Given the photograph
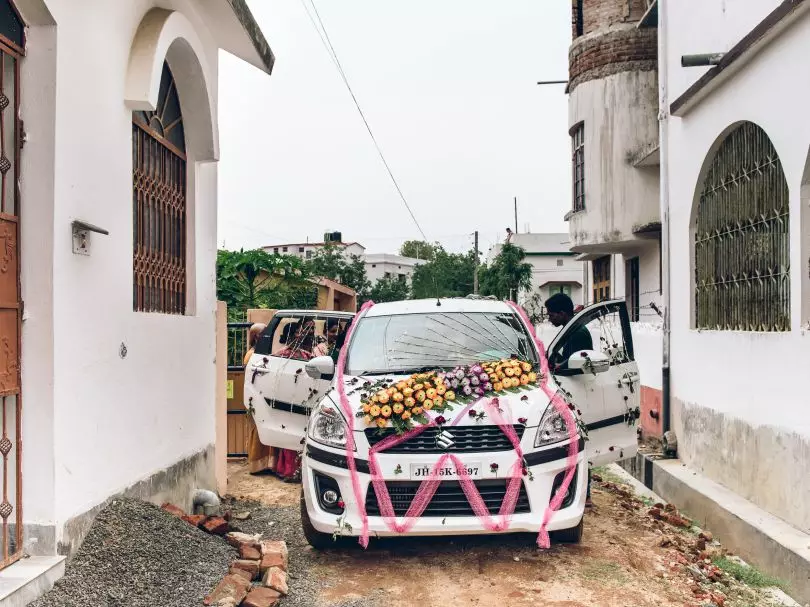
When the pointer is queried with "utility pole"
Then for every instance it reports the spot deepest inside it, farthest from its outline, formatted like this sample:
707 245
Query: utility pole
475 262
516 228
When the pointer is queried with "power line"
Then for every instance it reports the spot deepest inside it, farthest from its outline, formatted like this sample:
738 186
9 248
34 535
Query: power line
333 54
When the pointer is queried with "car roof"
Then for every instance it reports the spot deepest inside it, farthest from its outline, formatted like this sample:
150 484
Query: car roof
444 305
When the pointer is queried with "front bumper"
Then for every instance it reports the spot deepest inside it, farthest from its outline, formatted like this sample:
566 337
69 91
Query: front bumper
544 465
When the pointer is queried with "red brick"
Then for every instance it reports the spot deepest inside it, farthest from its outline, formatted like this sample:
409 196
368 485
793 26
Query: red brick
231 587
236 539
274 554
251 568
276 578
194 519
172 509
215 525
250 553
262 597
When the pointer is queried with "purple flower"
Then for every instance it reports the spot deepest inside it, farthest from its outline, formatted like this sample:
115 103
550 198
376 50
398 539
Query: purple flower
454 384
484 377
480 391
465 382
487 387
460 374
476 369
474 381
466 390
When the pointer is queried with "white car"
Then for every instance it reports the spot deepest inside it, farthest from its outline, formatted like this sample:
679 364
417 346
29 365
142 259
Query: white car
296 406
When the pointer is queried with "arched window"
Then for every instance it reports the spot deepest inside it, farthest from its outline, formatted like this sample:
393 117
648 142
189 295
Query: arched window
159 204
742 243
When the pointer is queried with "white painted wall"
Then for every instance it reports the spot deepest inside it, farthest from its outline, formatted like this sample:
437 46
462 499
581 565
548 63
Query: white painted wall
96 423
752 381
619 114
380 264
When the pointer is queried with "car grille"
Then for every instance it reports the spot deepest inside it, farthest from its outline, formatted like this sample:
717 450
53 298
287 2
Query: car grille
449 499
465 439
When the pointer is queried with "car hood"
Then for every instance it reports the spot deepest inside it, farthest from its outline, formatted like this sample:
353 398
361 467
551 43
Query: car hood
528 404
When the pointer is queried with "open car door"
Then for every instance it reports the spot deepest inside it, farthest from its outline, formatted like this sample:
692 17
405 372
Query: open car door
278 391
593 363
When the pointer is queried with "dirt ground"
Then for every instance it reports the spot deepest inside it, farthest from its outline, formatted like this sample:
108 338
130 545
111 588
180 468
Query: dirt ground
627 558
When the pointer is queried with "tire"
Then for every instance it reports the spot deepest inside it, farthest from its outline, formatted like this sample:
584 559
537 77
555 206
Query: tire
316 539
569 536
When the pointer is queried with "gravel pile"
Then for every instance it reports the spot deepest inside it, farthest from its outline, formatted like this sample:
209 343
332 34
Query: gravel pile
137 555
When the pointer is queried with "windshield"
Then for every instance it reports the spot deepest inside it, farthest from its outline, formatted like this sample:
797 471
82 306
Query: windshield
411 343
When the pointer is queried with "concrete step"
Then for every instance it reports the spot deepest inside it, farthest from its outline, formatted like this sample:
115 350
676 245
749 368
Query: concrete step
28 579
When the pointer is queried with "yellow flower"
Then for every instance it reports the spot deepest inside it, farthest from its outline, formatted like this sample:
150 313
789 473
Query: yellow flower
408 392
418 387
406 415
368 420
366 408
398 408
532 377
398 398
420 396
410 402
441 389
401 386
438 401
385 411
375 411
428 404
382 423
382 397
431 393
509 371
526 367
450 396
497 386
524 380
417 410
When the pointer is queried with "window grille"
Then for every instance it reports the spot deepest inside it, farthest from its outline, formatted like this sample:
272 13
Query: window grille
742 243
632 296
159 204
578 166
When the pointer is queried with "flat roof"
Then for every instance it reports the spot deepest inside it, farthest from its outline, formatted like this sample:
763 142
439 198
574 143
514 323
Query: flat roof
429 306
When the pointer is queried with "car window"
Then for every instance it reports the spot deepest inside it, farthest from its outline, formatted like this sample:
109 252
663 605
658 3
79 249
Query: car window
302 336
413 342
601 331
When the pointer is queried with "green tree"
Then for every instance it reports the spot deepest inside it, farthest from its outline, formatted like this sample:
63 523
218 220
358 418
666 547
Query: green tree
389 289
330 262
419 249
508 275
256 279
447 275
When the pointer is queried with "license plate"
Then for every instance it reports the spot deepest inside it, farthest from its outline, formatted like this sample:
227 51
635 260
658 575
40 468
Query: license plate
420 471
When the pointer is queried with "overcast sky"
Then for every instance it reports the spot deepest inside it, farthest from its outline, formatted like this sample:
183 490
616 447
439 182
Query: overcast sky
449 88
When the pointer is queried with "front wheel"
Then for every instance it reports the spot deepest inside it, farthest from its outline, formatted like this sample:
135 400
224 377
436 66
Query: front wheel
316 539
569 536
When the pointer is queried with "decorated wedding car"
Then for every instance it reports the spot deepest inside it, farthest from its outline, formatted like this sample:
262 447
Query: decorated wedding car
444 417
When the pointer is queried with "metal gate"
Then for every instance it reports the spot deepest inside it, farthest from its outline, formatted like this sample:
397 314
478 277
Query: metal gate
238 419
12 43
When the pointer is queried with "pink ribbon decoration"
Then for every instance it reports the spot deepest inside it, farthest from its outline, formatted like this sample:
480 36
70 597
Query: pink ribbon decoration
428 487
562 408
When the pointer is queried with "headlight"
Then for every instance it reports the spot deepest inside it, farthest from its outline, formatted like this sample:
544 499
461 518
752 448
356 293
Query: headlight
328 427
552 428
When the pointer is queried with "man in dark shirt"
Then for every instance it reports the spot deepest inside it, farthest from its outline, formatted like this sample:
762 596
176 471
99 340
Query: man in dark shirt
560 310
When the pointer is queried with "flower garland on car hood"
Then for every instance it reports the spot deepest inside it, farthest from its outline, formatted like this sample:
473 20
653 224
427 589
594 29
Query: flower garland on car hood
429 486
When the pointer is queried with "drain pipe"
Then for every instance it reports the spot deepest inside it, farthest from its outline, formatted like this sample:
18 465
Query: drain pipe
670 444
205 500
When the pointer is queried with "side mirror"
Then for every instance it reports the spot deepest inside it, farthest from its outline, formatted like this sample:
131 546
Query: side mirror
589 361
322 367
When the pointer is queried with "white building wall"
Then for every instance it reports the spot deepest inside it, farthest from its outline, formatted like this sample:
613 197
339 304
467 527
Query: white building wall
115 420
739 398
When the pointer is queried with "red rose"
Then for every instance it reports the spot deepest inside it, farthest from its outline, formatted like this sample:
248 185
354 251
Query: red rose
341 504
522 420
440 420
472 413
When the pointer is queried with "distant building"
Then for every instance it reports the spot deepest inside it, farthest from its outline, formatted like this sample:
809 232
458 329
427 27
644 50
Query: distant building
384 265
307 250
554 267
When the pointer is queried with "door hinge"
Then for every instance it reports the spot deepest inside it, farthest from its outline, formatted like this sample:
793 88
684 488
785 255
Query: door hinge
23 134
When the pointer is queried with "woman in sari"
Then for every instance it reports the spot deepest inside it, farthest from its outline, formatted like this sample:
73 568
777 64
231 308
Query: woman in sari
261 458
